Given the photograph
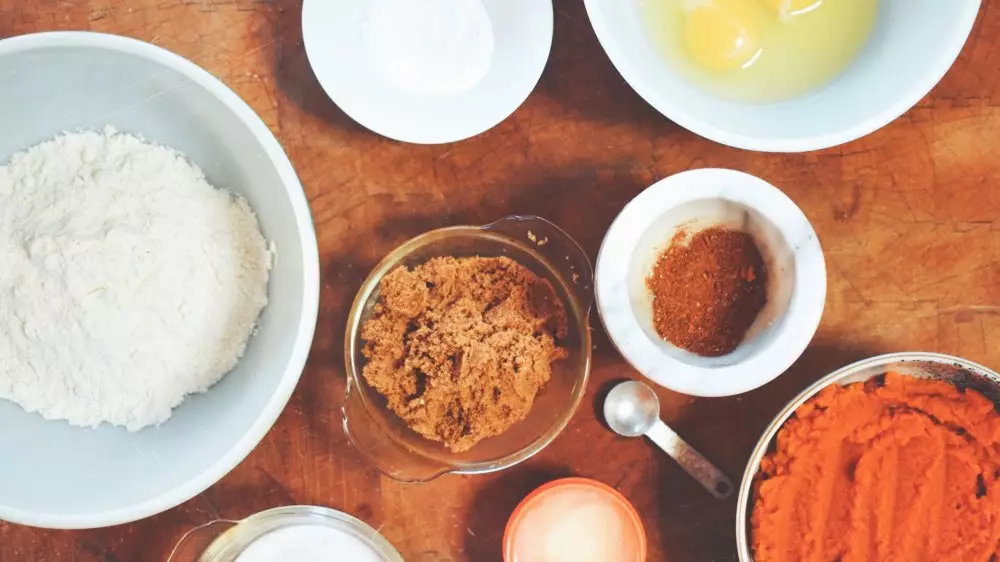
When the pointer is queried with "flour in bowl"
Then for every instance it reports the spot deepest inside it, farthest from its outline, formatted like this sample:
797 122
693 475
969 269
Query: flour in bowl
128 281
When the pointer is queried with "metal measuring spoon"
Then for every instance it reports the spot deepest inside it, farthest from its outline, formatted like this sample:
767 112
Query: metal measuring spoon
632 409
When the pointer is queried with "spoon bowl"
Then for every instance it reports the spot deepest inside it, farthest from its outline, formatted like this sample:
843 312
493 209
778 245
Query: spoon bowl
631 409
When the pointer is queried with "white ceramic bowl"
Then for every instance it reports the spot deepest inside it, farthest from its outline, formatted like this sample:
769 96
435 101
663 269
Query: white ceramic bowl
691 201
55 475
912 46
332 31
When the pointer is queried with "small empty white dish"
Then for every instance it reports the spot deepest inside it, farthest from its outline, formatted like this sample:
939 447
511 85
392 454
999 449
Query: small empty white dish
692 201
367 77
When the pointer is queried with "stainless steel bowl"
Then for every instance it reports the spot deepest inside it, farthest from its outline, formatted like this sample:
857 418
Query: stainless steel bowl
915 364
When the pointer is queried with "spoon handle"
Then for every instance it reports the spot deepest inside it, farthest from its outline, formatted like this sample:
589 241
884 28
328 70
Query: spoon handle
711 478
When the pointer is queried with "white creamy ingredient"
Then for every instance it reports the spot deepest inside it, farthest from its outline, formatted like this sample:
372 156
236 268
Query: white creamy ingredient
573 525
430 47
588 533
308 543
128 281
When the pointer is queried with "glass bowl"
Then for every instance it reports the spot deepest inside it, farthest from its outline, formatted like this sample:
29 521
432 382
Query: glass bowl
404 455
225 540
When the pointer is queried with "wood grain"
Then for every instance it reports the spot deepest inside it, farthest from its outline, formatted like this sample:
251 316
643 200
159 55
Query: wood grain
908 217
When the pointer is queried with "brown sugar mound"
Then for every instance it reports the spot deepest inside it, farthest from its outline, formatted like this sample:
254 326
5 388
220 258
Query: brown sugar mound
459 347
901 469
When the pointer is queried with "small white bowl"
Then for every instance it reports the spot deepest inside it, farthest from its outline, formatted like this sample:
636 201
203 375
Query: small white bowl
55 475
691 201
333 32
912 46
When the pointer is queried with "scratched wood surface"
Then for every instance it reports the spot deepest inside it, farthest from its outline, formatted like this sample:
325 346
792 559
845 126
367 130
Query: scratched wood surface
907 216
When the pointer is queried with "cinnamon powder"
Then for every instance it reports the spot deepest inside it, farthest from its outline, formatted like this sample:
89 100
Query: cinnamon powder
707 294
459 347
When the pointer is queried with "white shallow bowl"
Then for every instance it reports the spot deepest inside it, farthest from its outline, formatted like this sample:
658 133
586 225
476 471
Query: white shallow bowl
691 201
912 46
334 40
55 475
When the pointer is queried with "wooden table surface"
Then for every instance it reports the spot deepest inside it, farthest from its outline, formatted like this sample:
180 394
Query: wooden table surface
907 217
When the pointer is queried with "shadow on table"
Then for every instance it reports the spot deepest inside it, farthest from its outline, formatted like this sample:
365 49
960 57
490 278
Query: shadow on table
294 74
494 504
579 200
581 77
602 394
323 383
693 525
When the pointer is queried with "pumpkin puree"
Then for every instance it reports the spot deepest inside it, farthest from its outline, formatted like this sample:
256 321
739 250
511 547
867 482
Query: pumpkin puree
905 470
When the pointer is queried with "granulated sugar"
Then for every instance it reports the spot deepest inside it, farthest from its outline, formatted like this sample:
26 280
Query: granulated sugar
308 543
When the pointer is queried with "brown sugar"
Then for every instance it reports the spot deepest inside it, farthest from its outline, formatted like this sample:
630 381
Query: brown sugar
459 347
707 294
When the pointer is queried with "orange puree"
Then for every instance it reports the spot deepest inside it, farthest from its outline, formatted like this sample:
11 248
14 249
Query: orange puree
908 470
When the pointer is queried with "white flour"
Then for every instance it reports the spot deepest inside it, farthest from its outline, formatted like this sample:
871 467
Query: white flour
431 47
127 281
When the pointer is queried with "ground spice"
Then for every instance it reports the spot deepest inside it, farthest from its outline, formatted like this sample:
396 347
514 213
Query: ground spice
460 347
707 294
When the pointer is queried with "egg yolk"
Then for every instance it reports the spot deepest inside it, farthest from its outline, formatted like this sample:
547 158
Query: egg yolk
722 34
788 8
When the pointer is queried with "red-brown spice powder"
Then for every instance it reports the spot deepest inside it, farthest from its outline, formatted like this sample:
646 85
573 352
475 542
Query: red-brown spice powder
707 293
